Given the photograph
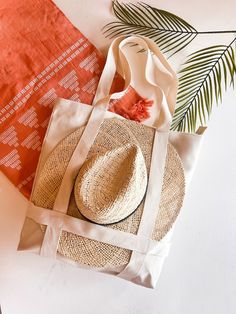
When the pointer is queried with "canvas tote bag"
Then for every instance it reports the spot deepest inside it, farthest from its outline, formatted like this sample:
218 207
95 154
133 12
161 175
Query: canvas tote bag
88 151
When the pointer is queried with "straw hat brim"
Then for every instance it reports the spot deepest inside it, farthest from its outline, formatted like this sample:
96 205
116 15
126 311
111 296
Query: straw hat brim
113 132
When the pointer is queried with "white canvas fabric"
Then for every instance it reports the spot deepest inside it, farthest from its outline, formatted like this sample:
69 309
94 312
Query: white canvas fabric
153 78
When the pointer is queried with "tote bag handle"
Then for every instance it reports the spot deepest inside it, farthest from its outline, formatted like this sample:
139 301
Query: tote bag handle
115 59
158 73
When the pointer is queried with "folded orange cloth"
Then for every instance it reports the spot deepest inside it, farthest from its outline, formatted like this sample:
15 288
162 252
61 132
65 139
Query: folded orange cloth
43 56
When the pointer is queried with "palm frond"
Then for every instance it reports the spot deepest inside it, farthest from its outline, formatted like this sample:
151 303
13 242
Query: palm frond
170 32
201 81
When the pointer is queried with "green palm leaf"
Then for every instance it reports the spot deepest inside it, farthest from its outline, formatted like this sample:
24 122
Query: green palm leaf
169 31
201 81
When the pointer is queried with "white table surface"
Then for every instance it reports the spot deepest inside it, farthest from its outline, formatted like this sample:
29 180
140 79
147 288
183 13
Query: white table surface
199 275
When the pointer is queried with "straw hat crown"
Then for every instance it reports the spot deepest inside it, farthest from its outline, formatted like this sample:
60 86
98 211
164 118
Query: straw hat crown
111 185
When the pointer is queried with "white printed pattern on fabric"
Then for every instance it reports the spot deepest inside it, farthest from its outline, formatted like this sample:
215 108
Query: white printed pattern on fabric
90 63
32 141
9 137
29 118
27 180
48 98
90 87
51 70
11 160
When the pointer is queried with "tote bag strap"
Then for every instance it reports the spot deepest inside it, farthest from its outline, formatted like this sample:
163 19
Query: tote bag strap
115 60
155 63
101 102
137 269
102 97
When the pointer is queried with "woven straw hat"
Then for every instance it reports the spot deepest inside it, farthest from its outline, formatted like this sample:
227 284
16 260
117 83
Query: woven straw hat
111 185
110 188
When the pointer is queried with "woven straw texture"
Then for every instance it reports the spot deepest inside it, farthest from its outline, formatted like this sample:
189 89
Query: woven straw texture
113 133
107 184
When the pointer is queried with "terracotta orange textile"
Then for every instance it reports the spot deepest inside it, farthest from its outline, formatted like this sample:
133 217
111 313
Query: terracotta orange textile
43 56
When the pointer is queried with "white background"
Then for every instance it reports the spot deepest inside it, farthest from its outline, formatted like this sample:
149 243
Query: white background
199 276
